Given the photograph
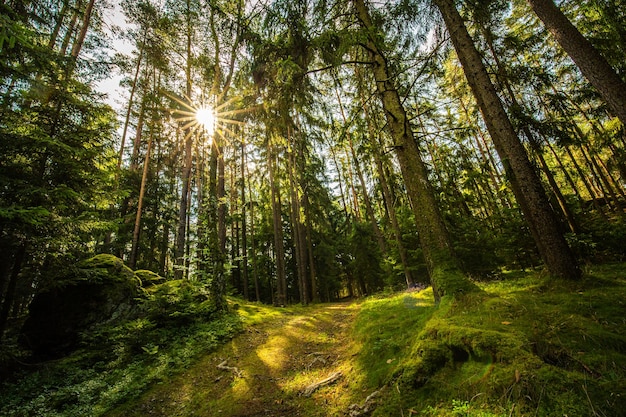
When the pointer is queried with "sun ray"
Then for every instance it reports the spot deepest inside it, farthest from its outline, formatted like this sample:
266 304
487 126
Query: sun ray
207 117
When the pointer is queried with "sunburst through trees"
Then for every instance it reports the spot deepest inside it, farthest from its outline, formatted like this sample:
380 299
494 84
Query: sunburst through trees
207 118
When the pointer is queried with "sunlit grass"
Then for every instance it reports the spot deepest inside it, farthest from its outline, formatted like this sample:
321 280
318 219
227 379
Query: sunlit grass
526 345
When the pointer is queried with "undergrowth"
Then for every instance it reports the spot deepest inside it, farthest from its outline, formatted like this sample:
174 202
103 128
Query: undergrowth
114 365
524 346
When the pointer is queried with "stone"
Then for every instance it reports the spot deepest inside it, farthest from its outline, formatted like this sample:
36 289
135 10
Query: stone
99 290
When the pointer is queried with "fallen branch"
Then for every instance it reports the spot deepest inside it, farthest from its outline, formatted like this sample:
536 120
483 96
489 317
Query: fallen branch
317 357
356 410
313 387
232 369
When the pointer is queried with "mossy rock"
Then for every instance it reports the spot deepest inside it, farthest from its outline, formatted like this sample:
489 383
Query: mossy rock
104 267
178 300
149 278
99 290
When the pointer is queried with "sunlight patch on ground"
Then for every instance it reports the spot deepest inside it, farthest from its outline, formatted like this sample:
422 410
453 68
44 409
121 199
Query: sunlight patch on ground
240 388
273 352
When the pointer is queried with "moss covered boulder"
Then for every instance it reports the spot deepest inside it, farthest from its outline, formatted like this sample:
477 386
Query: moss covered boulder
149 278
98 290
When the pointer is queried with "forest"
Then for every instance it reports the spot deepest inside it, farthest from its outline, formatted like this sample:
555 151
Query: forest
446 180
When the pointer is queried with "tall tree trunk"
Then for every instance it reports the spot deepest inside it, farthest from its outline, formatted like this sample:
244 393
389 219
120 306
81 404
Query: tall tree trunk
384 185
222 207
299 240
59 23
342 194
9 294
255 263
181 233
524 180
311 255
235 259
142 191
80 39
279 250
129 108
244 224
591 63
382 245
445 273
70 28
534 143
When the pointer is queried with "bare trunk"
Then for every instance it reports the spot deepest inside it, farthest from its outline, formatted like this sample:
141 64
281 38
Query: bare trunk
445 273
59 23
590 62
80 39
181 233
279 250
9 294
382 245
255 269
129 108
524 180
244 225
142 191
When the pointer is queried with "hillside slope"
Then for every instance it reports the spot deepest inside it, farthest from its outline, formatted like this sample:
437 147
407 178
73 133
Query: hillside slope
523 346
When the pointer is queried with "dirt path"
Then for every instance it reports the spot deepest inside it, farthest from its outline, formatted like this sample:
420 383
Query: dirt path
275 362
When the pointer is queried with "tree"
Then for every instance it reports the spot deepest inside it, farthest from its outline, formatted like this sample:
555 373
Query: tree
55 163
591 63
445 273
524 180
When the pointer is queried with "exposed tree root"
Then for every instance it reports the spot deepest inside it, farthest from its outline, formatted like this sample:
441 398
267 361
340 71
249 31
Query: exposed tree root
232 369
313 387
356 410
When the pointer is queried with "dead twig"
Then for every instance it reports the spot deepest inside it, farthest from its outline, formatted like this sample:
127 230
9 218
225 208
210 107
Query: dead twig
232 369
356 410
313 387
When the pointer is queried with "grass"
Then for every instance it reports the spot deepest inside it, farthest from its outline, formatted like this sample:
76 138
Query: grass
523 346
115 365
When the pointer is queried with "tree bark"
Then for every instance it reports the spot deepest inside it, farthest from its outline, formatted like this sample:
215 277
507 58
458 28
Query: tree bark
181 232
524 180
244 224
80 39
590 62
382 245
443 266
9 295
279 249
142 191
534 143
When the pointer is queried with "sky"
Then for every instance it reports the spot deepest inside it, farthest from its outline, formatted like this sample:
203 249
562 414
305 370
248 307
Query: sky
115 94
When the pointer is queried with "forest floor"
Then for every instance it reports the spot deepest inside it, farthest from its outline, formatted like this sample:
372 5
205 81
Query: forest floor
524 345
266 370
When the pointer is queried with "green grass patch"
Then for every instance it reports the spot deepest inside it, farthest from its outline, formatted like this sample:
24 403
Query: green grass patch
525 345
115 365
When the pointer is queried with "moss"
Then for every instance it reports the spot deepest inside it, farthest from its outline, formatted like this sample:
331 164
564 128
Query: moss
522 346
106 268
448 279
99 291
149 278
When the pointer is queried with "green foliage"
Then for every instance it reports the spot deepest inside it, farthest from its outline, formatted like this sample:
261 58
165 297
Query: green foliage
523 346
115 364
179 301
366 258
